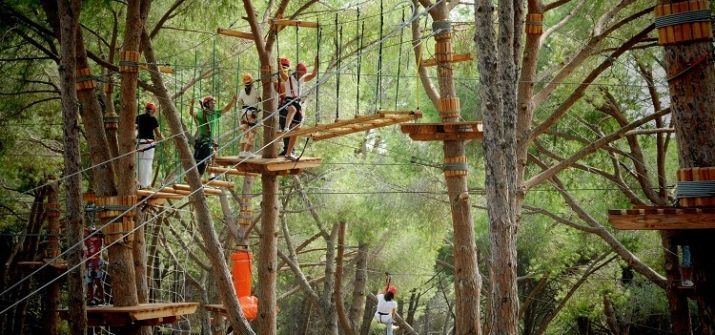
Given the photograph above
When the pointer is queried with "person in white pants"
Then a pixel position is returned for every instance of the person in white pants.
(147, 132)
(386, 308)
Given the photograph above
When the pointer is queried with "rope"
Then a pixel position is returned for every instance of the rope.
(361, 33)
(378, 87)
(319, 35)
(694, 189)
(399, 59)
(338, 42)
(683, 17)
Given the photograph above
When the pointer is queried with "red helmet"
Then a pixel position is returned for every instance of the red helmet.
(392, 290)
(150, 106)
(206, 100)
(284, 61)
(301, 67)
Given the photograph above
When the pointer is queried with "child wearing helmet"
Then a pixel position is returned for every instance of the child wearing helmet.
(291, 111)
(147, 132)
(386, 305)
(95, 265)
(207, 118)
(249, 119)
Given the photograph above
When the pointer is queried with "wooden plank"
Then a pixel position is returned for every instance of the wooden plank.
(156, 194)
(356, 129)
(294, 23)
(451, 131)
(218, 183)
(207, 190)
(235, 33)
(228, 171)
(267, 165)
(162, 68)
(456, 58)
(142, 314)
(662, 218)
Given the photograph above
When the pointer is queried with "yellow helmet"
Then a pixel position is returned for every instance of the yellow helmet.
(247, 78)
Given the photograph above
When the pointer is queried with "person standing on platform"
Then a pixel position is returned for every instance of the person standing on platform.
(207, 118)
(147, 133)
(250, 98)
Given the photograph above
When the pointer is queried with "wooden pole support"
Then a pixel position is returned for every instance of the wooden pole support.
(111, 121)
(129, 61)
(294, 23)
(448, 107)
(683, 22)
(115, 208)
(534, 23)
(84, 80)
(455, 166)
(697, 176)
(235, 33)
(456, 58)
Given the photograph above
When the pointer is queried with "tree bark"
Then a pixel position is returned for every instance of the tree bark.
(337, 292)
(467, 281)
(69, 25)
(691, 84)
(357, 308)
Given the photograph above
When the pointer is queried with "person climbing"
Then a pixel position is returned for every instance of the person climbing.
(95, 266)
(386, 305)
(290, 111)
(249, 118)
(207, 118)
(147, 132)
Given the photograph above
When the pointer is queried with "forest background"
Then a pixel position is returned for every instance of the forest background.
(576, 274)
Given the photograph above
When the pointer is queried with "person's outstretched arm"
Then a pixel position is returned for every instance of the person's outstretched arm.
(230, 104)
(315, 71)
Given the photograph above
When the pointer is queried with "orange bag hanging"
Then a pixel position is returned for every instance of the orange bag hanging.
(249, 306)
(241, 272)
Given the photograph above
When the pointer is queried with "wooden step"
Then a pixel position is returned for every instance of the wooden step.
(450, 131)
(279, 165)
(662, 218)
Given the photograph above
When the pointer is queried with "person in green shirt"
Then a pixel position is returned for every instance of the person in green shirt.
(207, 119)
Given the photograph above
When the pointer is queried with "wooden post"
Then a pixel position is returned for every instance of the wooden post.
(52, 296)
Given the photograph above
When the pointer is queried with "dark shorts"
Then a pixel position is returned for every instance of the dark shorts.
(283, 112)
(203, 149)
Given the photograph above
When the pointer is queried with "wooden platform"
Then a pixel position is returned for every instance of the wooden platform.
(143, 314)
(186, 188)
(662, 218)
(355, 125)
(280, 165)
(453, 131)
(232, 172)
(216, 308)
(155, 194)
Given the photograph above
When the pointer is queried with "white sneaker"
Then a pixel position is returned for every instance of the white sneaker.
(285, 130)
(246, 154)
(687, 283)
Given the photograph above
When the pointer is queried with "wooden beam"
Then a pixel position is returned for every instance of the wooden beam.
(218, 183)
(294, 23)
(455, 59)
(142, 314)
(207, 190)
(233, 172)
(235, 33)
(451, 131)
(277, 165)
(157, 194)
(662, 218)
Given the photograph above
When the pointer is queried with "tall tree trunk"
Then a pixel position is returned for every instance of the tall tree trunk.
(203, 216)
(692, 101)
(467, 281)
(357, 308)
(69, 25)
(337, 292)
(498, 107)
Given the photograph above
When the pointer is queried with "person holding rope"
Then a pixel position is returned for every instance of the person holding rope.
(207, 118)
(291, 110)
(95, 266)
(250, 99)
(147, 132)
(386, 305)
